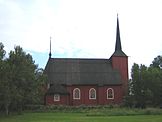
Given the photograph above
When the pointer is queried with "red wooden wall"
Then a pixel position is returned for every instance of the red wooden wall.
(101, 96)
(121, 63)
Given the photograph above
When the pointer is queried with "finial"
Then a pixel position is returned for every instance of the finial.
(50, 48)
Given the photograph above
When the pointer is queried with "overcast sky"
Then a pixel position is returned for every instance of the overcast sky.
(82, 28)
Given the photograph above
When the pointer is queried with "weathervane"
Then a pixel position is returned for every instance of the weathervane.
(50, 48)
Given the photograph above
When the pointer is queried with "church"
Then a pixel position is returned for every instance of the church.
(81, 81)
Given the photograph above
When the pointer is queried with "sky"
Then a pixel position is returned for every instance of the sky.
(82, 28)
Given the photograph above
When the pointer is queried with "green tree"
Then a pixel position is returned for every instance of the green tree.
(157, 62)
(5, 85)
(2, 51)
(155, 70)
(146, 84)
(155, 85)
(138, 83)
(40, 79)
(21, 81)
(23, 69)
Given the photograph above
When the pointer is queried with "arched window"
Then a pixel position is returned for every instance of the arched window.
(110, 93)
(56, 97)
(92, 93)
(76, 93)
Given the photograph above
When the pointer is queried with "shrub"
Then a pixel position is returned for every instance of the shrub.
(108, 110)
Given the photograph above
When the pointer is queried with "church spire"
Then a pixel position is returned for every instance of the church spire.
(50, 49)
(118, 42)
(118, 47)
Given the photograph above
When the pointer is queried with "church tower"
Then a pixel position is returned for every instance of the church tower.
(119, 60)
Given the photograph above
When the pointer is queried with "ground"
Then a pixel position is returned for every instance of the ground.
(78, 117)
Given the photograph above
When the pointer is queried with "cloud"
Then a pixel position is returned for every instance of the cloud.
(83, 28)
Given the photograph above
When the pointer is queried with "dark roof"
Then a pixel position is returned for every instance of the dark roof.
(119, 53)
(57, 89)
(73, 71)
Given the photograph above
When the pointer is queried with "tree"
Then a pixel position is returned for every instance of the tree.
(2, 51)
(138, 83)
(21, 81)
(157, 62)
(5, 89)
(146, 84)
(155, 85)
(40, 79)
(23, 69)
(156, 79)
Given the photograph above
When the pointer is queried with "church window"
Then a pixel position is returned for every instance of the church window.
(92, 93)
(76, 93)
(110, 93)
(56, 97)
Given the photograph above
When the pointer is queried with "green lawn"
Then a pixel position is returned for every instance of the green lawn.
(78, 117)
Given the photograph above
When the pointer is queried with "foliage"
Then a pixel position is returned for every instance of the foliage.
(21, 81)
(2, 51)
(146, 85)
(157, 62)
(106, 110)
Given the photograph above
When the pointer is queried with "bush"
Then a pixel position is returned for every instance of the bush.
(107, 110)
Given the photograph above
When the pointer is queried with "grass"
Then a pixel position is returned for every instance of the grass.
(124, 112)
(77, 117)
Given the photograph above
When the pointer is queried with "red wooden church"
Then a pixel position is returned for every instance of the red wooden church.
(75, 81)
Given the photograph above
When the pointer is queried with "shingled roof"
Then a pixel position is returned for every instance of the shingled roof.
(73, 71)
(57, 89)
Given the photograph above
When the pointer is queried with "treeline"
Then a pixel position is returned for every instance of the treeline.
(145, 86)
(21, 81)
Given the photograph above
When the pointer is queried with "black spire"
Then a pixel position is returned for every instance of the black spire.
(118, 47)
(118, 42)
(50, 49)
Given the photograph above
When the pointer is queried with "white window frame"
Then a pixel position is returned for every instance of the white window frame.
(112, 90)
(48, 85)
(74, 97)
(56, 97)
(90, 93)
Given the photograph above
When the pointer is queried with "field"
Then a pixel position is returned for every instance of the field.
(77, 117)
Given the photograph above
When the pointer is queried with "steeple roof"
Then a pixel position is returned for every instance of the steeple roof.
(118, 42)
(118, 47)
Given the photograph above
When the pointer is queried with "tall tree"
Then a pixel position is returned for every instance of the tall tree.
(21, 81)
(156, 79)
(138, 83)
(5, 89)
(155, 85)
(23, 71)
